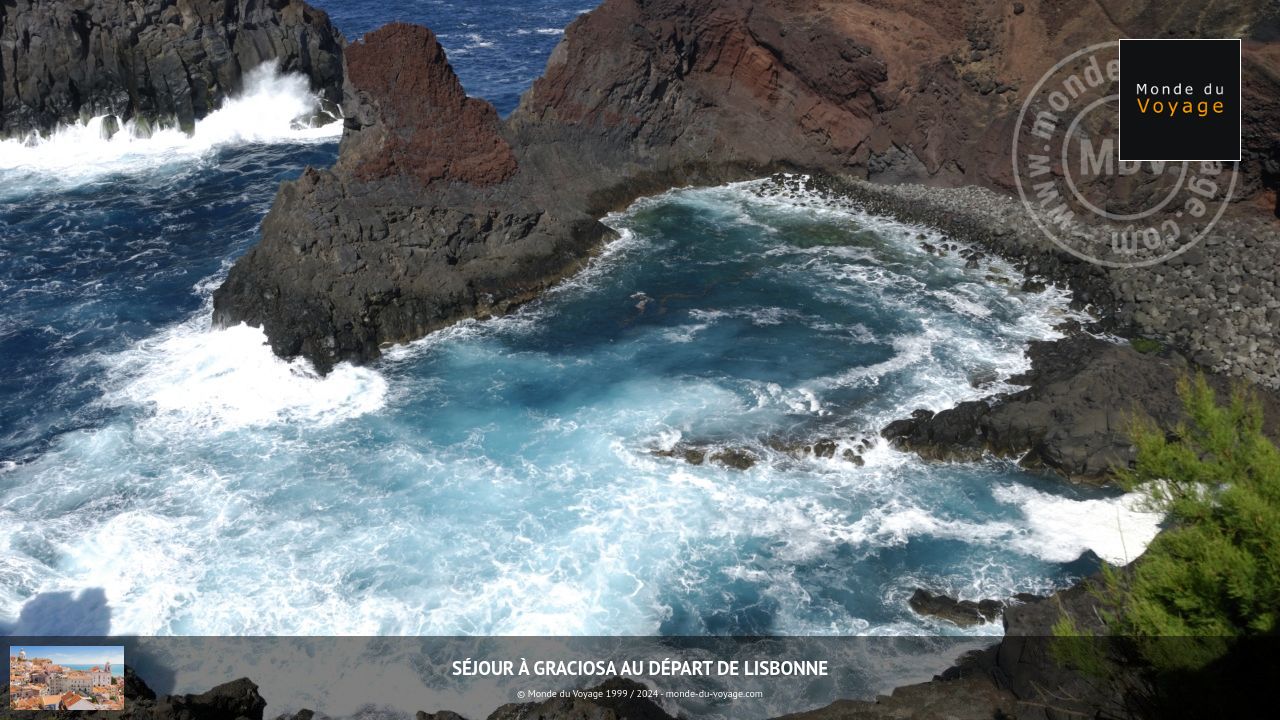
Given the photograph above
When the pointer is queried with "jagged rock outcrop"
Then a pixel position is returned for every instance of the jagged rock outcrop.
(407, 233)
(62, 61)
(965, 613)
(446, 135)
(236, 699)
(1074, 418)
(367, 254)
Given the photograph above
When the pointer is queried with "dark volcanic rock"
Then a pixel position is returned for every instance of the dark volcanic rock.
(735, 458)
(1076, 416)
(964, 613)
(730, 457)
(160, 60)
(420, 223)
(135, 688)
(424, 221)
(236, 699)
(1020, 677)
(443, 715)
(742, 458)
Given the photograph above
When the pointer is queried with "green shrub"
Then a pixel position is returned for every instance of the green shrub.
(1213, 576)
(1146, 346)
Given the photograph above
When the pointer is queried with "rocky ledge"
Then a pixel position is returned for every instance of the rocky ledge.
(1218, 303)
(63, 61)
(437, 210)
(1075, 416)
(964, 613)
(1085, 390)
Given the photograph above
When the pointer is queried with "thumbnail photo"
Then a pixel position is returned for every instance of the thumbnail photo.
(66, 677)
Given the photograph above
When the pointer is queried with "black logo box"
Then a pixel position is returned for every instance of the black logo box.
(1180, 62)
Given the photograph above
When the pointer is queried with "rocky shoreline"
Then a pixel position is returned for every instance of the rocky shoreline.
(1085, 390)
(643, 97)
(1218, 303)
(154, 62)
(1083, 394)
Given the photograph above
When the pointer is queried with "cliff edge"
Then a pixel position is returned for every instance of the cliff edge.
(63, 61)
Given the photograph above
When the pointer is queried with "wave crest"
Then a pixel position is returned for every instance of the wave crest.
(273, 108)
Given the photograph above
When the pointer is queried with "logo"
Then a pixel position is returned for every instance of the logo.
(1180, 100)
(1085, 199)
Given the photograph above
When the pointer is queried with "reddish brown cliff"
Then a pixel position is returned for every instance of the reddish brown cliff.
(402, 80)
(438, 211)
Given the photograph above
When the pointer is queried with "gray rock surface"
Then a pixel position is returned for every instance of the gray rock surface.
(1218, 304)
(165, 61)
(1075, 417)
(965, 613)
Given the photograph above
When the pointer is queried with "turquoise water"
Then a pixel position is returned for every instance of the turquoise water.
(115, 671)
(519, 476)
(507, 477)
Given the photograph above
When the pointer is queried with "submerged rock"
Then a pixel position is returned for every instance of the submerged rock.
(741, 458)
(823, 448)
(735, 458)
(731, 457)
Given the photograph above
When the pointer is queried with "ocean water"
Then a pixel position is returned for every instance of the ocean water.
(497, 47)
(115, 671)
(507, 477)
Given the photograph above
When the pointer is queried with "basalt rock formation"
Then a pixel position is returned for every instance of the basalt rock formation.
(437, 211)
(63, 61)
(964, 613)
(431, 214)
(1075, 416)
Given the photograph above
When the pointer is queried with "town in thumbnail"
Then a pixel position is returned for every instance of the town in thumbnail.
(66, 678)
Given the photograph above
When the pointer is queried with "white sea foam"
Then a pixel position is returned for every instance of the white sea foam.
(193, 378)
(273, 108)
(1059, 529)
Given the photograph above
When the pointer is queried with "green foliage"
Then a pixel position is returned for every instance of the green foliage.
(1079, 649)
(1214, 575)
(1146, 346)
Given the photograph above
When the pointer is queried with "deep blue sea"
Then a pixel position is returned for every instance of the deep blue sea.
(506, 477)
(117, 671)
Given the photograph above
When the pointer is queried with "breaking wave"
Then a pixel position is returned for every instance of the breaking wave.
(273, 108)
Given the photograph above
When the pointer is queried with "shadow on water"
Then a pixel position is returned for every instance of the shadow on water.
(64, 614)
(84, 618)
